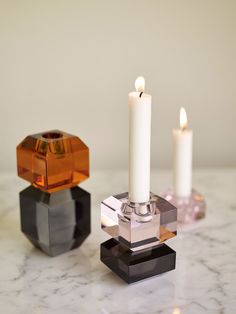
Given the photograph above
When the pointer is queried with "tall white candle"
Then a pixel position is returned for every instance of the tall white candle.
(183, 157)
(139, 143)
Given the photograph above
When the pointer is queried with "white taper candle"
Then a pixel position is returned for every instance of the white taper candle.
(182, 157)
(139, 143)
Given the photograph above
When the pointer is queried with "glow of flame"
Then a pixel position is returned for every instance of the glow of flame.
(183, 121)
(140, 84)
(176, 311)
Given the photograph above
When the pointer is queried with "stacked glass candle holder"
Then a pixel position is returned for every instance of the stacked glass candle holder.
(137, 250)
(54, 211)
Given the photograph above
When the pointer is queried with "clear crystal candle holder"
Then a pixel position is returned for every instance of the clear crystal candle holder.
(190, 208)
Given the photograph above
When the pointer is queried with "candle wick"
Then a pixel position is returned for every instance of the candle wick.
(140, 95)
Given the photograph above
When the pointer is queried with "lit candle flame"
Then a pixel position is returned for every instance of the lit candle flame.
(140, 84)
(183, 119)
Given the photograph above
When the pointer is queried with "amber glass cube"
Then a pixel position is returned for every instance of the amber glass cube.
(53, 160)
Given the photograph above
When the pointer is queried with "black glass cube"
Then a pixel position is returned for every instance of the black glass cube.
(134, 266)
(57, 222)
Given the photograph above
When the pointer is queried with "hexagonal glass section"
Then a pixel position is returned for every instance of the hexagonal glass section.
(53, 160)
(55, 222)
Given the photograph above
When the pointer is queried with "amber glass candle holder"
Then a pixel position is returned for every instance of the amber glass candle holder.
(55, 212)
(139, 230)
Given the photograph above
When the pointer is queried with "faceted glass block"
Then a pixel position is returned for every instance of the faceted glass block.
(133, 266)
(56, 222)
(53, 160)
(190, 208)
(139, 225)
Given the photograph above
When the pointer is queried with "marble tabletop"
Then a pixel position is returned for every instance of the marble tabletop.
(77, 282)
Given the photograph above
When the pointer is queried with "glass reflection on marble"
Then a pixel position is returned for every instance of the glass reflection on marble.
(190, 208)
(139, 225)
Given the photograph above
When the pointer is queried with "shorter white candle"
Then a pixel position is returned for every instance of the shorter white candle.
(183, 157)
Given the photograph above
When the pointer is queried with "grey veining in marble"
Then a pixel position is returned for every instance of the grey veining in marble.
(77, 282)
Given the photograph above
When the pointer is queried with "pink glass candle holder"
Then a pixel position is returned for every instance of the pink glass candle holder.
(190, 208)
(137, 249)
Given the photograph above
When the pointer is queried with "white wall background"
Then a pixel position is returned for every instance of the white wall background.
(70, 65)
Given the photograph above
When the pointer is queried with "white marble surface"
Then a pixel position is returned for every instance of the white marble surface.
(77, 282)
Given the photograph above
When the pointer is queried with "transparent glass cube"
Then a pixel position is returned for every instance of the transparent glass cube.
(139, 225)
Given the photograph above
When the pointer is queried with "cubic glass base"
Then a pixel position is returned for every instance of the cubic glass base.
(190, 208)
(134, 266)
(57, 222)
